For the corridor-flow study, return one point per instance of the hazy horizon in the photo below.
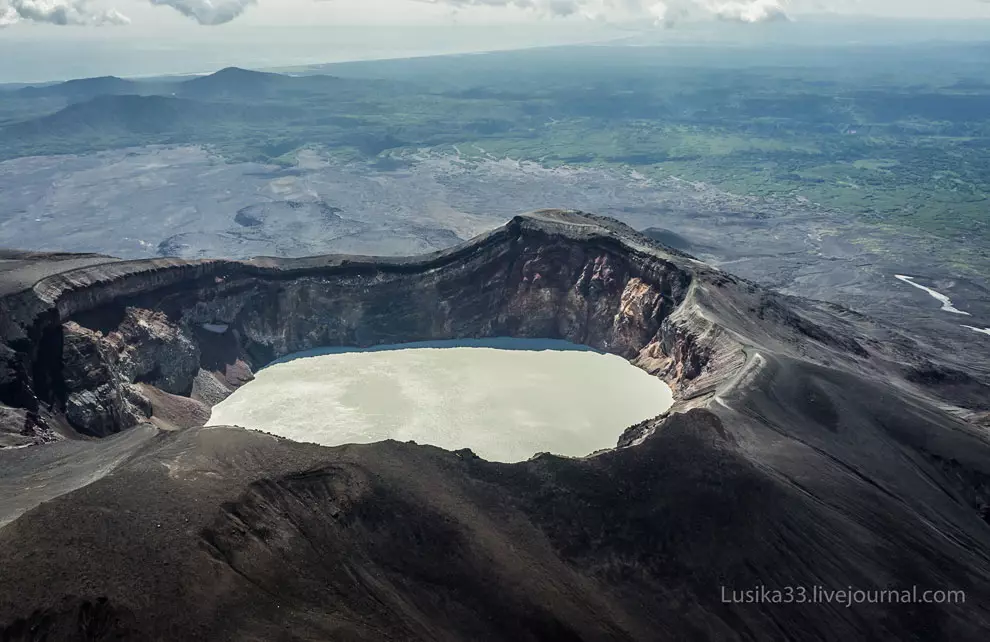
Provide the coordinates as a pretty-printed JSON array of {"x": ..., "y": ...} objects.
[
  {"x": 267, "y": 48},
  {"x": 54, "y": 53}
]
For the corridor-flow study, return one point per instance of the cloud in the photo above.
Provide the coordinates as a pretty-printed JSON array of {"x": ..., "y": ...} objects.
[
  {"x": 666, "y": 12},
  {"x": 216, "y": 12},
  {"x": 58, "y": 12},
  {"x": 208, "y": 12},
  {"x": 748, "y": 11},
  {"x": 8, "y": 16}
]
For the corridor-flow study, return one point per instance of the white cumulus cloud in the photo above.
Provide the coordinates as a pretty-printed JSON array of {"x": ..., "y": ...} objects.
[
  {"x": 58, "y": 12},
  {"x": 208, "y": 12},
  {"x": 748, "y": 10},
  {"x": 659, "y": 11},
  {"x": 216, "y": 12},
  {"x": 8, "y": 16}
]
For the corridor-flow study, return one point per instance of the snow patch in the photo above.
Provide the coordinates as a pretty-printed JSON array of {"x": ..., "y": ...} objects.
[{"x": 946, "y": 302}]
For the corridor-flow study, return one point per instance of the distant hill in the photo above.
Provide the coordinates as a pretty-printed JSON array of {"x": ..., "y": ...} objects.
[
  {"x": 84, "y": 89},
  {"x": 227, "y": 84},
  {"x": 119, "y": 114},
  {"x": 251, "y": 115},
  {"x": 108, "y": 122},
  {"x": 231, "y": 80},
  {"x": 234, "y": 82}
]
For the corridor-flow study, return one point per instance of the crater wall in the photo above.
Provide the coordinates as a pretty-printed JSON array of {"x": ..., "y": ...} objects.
[{"x": 198, "y": 329}]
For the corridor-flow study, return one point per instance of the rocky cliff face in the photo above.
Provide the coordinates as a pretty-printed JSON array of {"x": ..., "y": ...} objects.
[{"x": 809, "y": 446}]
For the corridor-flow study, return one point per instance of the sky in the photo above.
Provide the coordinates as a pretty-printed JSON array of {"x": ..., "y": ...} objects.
[{"x": 158, "y": 14}]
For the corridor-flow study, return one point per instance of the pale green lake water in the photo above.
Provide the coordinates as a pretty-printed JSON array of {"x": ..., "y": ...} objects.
[{"x": 506, "y": 399}]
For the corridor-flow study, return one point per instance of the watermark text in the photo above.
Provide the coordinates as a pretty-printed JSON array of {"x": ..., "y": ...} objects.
[{"x": 847, "y": 597}]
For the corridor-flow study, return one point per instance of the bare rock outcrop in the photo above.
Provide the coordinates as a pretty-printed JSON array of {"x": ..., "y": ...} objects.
[
  {"x": 98, "y": 399},
  {"x": 151, "y": 349}
]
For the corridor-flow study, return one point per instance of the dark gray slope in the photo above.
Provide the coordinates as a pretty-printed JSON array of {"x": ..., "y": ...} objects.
[
  {"x": 32, "y": 476},
  {"x": 229, "y": 535},
  {"x": 21, "y": 270}
]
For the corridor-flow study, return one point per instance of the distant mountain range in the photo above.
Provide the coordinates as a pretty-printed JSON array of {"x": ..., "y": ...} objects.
[
  {"x": 231, "y": 82},
  {"x": 232, "y": 104}
]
